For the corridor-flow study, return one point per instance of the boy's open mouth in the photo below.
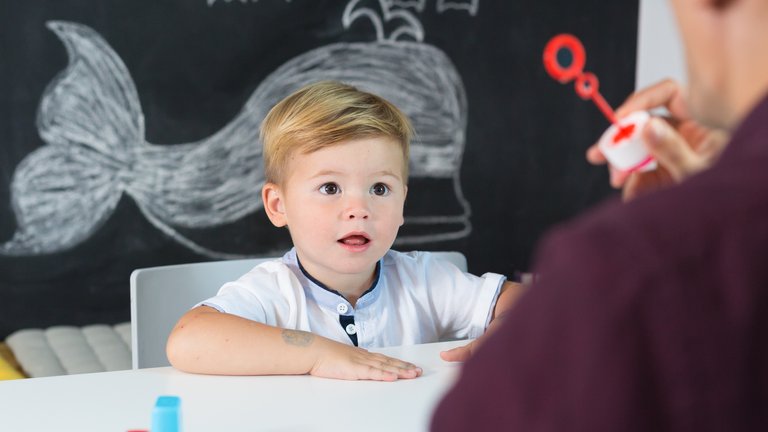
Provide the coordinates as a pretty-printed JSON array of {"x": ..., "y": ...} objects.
[{"x": 355, "y": 240}]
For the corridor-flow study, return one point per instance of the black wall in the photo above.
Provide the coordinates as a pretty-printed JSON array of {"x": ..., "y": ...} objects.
[{"x": 195, "y": 64}]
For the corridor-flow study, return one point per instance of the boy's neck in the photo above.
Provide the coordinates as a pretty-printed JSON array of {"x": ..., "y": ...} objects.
[
  {"x": 350, "y": 286},
  {"x": 352, "y": 289}
]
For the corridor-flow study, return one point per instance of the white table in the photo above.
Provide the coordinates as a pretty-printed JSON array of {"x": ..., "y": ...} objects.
[{"x": 119, "y": 401}]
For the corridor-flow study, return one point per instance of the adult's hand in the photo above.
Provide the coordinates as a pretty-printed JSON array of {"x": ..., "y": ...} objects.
[{"x": 681, "y": 145}]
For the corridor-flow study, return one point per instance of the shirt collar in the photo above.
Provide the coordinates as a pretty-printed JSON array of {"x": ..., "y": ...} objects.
[{"x": 327, "y": 297}]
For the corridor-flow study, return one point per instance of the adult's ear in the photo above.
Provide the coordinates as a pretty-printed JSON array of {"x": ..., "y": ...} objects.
[
  {"x": 273, "y": 204},
  {"x": 721, "y": 4}
]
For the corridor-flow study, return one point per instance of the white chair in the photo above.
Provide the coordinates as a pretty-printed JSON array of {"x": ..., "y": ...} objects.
[{"x": 161, "y": 295}]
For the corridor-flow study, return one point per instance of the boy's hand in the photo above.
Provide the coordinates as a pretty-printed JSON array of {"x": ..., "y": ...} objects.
[
  {"x": 510, "y": 293},
  {"x": 464, "y": 352},
  {"x": 460, "y": 354},
  {"x": 340, "y": 361}
]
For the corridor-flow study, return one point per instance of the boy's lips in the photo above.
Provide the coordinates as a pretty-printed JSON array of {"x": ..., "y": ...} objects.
[{"x": 355, "y": 239}]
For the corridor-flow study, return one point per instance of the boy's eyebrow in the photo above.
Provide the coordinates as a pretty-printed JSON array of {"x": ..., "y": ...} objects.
[
  {"x": 387, "y": 173},
  {"x": 325, "y": 172},
  {"x": 377, "y": 173}
]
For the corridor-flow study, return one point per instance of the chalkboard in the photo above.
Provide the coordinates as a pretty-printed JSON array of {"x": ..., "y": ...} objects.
[{"x": 129, "y": 130}]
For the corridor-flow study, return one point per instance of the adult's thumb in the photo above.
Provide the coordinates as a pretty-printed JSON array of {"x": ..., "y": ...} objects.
[{"x": 670, "y": 149}]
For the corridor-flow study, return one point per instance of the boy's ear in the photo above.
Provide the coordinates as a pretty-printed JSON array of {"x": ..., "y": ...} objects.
[
  {"x": 405, "y": 196},
  {"x": 273, "y": 204}
]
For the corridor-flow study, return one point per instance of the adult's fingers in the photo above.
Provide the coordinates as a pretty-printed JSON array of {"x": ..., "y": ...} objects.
[
  {"x": 671, "y": 150},
  {"x": 639, "y": 183},
  {"x": 595, "y": 156},
  {"x": 618, "y": 178},
  {"x": 667, "y": 94}
]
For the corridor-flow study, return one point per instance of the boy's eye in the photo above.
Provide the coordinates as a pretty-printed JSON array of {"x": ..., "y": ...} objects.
[
  {"x": 380, "y": 189},
  {"x": 329, "y": 189}
]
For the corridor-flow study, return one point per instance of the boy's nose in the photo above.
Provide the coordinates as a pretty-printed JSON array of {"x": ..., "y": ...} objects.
[{"x": 356, "y": 212}]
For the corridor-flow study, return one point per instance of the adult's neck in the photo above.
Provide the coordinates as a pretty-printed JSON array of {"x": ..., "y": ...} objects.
[{"x": 747, "y": 40}]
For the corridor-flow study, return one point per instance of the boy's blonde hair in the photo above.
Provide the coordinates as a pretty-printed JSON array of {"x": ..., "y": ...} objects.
[{"x": 324, "y": 114}]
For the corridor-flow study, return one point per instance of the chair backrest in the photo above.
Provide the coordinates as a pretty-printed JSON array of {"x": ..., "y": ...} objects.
[{"x": 161, "y": 295}]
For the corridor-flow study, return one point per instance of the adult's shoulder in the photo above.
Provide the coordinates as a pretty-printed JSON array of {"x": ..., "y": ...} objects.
[
  {"x": 643, "y": 245},
  {"x": 611, "y": 233}
]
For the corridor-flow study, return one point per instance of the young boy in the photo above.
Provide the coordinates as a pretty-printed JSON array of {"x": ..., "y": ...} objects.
[{"x": 336, "y": 165}]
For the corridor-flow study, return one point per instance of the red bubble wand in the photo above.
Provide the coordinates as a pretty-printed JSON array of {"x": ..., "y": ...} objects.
[{"x": 587, "y": 84}]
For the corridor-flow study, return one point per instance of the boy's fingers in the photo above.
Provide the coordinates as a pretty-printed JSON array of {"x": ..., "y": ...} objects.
[
  {"x": 410, "y": 373},
  {"x": 401, "y": 371},
  {"x": 388, "y": 373},
  {"x": 391, "y": 361},
  {"x": 394, "y": 366},
  {"x": 379, "y": 374}
]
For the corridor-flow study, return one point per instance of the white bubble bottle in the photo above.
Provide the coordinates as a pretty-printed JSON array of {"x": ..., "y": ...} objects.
[{"x": 623, "y": 146}]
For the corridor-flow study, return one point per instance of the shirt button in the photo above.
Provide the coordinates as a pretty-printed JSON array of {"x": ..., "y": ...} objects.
[
  {"x": 351, "y": 329},
  {"x": 342, "y": 308}
]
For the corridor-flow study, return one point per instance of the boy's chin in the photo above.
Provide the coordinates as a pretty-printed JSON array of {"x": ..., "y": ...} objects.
[{"x": 355, "y": 264}]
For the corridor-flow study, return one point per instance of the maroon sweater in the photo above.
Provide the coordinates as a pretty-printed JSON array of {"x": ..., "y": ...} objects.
[{"x": 649, "y": 316}]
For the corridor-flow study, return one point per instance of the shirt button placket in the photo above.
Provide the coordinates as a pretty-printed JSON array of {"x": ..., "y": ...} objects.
[{"x": 351, "y": 329}]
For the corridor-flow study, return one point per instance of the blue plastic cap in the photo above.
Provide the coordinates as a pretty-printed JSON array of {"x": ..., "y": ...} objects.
[{"x": 166, "y": 416}]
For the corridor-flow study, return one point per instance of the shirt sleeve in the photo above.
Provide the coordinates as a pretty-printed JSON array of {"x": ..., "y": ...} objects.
[
  {"x": 268, "y": 294},
  {"x": 463, "y": 302}
]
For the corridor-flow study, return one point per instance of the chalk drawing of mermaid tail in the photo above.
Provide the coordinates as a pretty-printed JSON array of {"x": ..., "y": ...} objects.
[
  {"x": 91, "y": 121},
  {"x": 62, "y": 191}
]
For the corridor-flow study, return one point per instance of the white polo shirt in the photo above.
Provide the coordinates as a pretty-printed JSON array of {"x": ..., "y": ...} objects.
[{"x": 415, "y": 298}]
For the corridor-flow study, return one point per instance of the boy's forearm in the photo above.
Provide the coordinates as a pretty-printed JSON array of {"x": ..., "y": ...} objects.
[
  {"x": 508, "y": 296},
  {"x": 211, "y": 342},
  {"x": 510, "y": 293}
]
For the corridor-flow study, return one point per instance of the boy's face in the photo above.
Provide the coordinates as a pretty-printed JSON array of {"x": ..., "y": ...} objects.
[{"x": 343, "y": 206}]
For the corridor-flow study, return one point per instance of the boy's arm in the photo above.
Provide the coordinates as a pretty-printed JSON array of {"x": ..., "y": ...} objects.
[
  {"x": 508, "y": 296},
  {"x": 208, "y": 341}
]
